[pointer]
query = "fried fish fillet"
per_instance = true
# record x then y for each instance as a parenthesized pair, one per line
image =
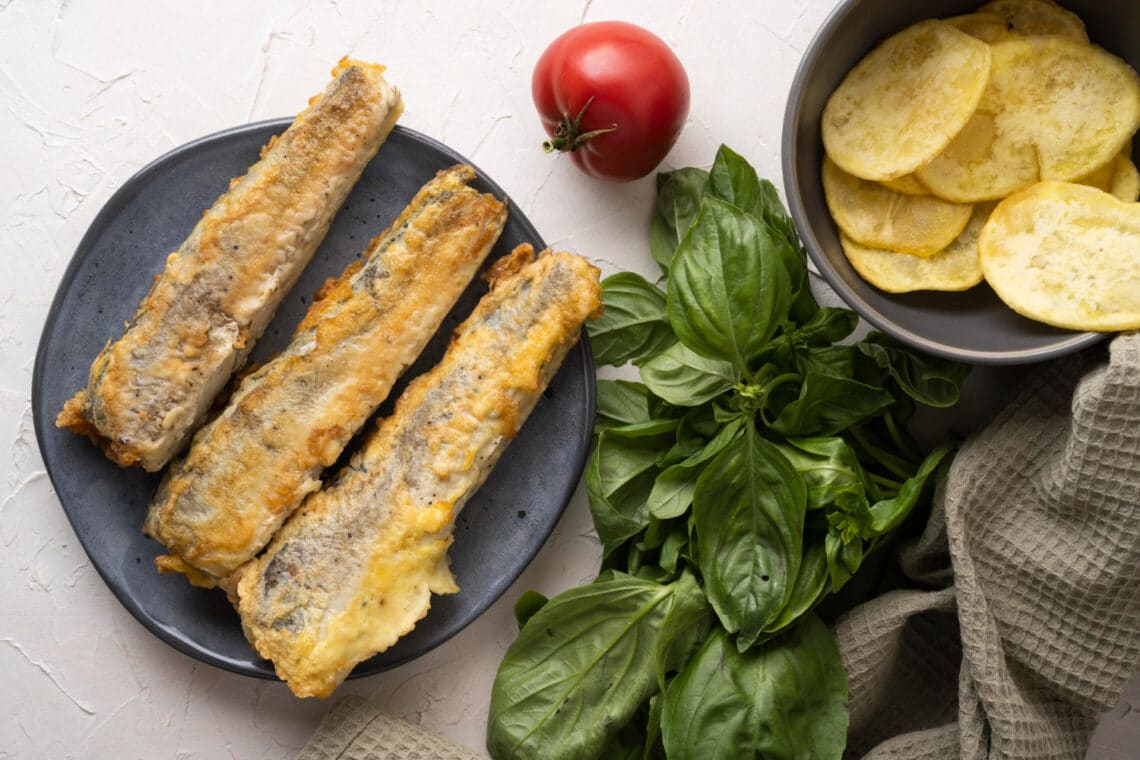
(148, 391)
(251, 466)
(354, 568)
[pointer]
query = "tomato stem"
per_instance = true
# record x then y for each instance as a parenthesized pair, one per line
(568, 135)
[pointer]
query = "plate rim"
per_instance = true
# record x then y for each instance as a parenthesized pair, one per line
(120, 197)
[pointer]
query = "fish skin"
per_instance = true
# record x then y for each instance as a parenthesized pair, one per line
(253, 464)
(354, 568)
(149, 390)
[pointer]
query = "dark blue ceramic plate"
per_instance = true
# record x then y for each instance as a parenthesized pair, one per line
(496, 535)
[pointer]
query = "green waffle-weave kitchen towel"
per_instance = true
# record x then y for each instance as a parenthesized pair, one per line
(1036, 630)
(356, 730)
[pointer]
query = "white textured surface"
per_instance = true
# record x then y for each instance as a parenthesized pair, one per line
(89, 92)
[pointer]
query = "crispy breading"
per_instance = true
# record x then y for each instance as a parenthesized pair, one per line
(354, 568)
(148, 391)
(252, 465)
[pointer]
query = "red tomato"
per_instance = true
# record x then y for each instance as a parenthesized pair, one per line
(612, 94)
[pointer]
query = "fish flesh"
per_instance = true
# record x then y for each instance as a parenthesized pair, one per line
(354, 568)
(149, 390)
(252, 465)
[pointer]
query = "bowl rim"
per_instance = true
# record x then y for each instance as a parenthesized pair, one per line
(789, 146)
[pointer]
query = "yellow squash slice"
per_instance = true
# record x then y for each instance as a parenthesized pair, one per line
(952, 269)
(1038, 18)
(1054, 109)
(1066, 255)
(987, 27)
(1118, 177)
(907, 184)
(905, 101)
(878, 217)
(1125, 180)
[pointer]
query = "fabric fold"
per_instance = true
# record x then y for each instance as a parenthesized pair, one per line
(1040, 513)
(354, 729)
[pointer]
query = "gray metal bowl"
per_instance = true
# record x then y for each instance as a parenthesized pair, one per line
(974, 326)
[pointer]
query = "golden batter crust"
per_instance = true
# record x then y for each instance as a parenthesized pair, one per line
(149, 390)
(354, 568)
(251, 466)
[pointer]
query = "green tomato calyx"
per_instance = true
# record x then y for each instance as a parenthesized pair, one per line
(568, 135)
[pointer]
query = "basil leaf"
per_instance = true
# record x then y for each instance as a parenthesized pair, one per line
(850, 517)
(682, 377)
(685, 626)
(728, 288)
(828, 404)
(653, 747)
(620, 402)
(653, 432)
(724, 414)
(685, 447)
(827, 326)
(620, 475)
(675, 542)
(654, 535)
(634, 324)
(697, 428)
(891, 513)
(748, 510)
(627, 743)
(672, 491)
(700, 423)
(926, 379)
(733, 179)
(804, 304)
(843, 560)
(777, 218)
(528, 604)
(837, 361)
(827, 465)
(659, 409)
(809, 347)
(678, 200)
(810, 587)
(690, 553)
(787, 699)
(579, 670)
(618, 518)
(651, 572)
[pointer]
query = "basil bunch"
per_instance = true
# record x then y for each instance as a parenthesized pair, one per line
(741, 482)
